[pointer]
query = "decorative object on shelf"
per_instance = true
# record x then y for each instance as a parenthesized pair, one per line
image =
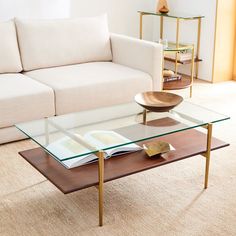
(156, 147)
(162, 6)
(158, 101)
(168, 73)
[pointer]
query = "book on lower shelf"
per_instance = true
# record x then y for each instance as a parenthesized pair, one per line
(174, 77)
(66, 147)
(181, 56)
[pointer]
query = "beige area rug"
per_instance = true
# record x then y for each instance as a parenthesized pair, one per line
(165, 201)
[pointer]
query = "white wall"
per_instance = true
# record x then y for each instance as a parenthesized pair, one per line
(122, 14)
(34, 8)
(188, 30)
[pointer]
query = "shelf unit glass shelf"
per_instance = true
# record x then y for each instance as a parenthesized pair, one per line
(171, 14)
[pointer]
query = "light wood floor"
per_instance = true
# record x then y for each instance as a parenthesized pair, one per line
(165, 201)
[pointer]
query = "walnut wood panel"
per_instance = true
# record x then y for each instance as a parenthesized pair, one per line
(187, 144)
(183, 62)
(184, 82)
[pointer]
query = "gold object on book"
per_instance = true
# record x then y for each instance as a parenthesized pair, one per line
(158, 101)
(162, 6)
(156, 147)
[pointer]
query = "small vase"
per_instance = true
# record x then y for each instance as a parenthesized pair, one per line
(162, 6)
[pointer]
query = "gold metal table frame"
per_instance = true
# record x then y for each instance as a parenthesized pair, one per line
(101, 156)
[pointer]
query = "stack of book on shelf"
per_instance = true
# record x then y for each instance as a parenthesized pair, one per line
(181, 56)
(169, 75)
(172, 78)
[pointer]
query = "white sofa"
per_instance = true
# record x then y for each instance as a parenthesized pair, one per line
(54, 67)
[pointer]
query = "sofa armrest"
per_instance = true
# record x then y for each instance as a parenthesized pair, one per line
(139, 54)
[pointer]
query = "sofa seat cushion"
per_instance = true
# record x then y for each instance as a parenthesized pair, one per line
(91, 85)
(50, 43)
(11, 134)
(23, 99)
(10, 61)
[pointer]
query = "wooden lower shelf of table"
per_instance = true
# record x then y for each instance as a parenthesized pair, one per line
(183, 62)
(185, 82)
(187, 144)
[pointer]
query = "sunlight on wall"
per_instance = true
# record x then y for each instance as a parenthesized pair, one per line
(34, 9)
(234, 75)
(225, 37)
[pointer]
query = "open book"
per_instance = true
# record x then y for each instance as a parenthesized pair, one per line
(67, 147)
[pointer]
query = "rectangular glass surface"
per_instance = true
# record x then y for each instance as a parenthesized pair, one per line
(172, 47)
(171, 14)
(77, 134)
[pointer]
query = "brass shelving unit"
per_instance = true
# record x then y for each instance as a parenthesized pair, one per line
(178, 47)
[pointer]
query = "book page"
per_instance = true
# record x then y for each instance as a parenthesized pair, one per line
(66, 147)
(108, 139)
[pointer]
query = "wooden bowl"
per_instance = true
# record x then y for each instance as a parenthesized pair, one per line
(158, 101)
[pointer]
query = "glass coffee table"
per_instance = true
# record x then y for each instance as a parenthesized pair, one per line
(64, 139)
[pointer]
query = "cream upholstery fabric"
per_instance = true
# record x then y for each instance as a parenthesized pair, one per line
(23, 99)
(49, 43)
(91, 85)
(10, 134)
(139, 54)
(9, 52)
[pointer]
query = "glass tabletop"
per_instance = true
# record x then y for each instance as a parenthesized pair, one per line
(76, 135)
(172, 14)
(173, 47)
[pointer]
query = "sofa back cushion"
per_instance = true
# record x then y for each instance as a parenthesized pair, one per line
(49, 43)
(10, 61)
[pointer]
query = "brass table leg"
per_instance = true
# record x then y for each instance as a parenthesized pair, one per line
(208, 154)
(177, 45)
(144, 116)
(101, 185)
(192, 73)
(141, 26)
(198, 44)
(46, 131)
(161, 27)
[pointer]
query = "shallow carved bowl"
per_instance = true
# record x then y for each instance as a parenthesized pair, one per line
(158, 101)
